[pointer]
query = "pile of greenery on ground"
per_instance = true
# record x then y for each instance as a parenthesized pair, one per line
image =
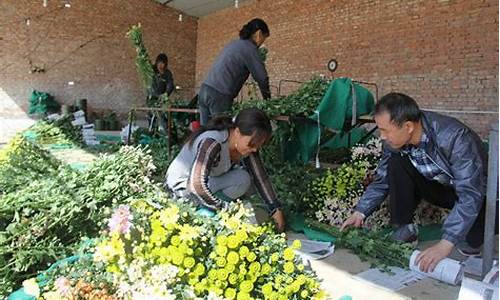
(374, 246)
(23, 162)
(44, 214)
(301, 102)
(55, 132)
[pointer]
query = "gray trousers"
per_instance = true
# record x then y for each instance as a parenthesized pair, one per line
(212, 103)
(232, 184)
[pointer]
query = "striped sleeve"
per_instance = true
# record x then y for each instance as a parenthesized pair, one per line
(207, 155)
(254, 165)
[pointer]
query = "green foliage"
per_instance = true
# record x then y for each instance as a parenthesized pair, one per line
(41, 221)
(60, 131)
(373, 246)
(142, 61)
(22, 162)
(301, 102)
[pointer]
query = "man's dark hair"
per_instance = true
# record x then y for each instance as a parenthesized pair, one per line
(401, 108)
(251, 27)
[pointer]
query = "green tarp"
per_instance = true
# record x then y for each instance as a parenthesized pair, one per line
(335, 112)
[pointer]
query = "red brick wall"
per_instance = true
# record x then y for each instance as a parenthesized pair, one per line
(86, 44)
(442, 53)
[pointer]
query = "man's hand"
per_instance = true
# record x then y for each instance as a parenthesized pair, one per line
(356, 220)
(430, 257)
(279, 218)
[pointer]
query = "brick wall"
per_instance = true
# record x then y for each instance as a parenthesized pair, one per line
(86, 44)
(444, 53)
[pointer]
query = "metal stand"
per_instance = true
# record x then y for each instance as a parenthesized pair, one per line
(491, 200)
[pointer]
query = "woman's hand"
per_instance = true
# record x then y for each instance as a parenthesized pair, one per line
(279, 218)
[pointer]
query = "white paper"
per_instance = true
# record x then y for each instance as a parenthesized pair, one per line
(492, 276)
(88, 132)
(314, 249)
(78, 121)
(447, 270)
(78, 114)
(476, 290)
(54, 117)
(394, 280)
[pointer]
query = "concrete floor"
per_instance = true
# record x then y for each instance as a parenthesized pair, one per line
(10, 126)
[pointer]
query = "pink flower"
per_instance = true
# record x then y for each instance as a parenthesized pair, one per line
(63, 286)
(121, 220)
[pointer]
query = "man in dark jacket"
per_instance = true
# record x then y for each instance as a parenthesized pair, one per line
(433, 157)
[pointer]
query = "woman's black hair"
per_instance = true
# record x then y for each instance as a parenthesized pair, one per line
(251, 27)
(250, 121)
(162, 57)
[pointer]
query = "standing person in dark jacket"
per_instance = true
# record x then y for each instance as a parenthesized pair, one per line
(163, 83)
(232, 68)
(433, 157)
(163, 80)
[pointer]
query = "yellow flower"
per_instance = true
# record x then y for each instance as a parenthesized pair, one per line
(222, 274)
(232, 257)
(289, 267)
(296, 245)
(169, 216)
(221, 250)
(230, 268)
(244, 251)
(31, 287)
(251, 256)
(175, 240)
(177, 258)
(230, 293)
(241, 235)
(300, 267)
(233, 278)
(304, 294)
(275, 257)
(243, 296)
(222, 240)
(288, 254)
(199, 269)
(254, 267)
(246, 286)
(220, 262)
(320, 295)
(189, 262)
(212, 274)
(267, 289)
(188, 232)
(266, 269)
(232, 242)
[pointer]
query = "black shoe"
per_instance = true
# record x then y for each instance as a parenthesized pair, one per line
(406, 234)
(465, 249)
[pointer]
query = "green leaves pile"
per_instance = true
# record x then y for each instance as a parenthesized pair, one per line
(142, 61)
(301, 102)
(43, 215)
(373, 246)
(59, 132)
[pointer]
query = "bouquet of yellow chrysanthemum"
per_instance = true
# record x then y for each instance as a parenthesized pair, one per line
(173, 253)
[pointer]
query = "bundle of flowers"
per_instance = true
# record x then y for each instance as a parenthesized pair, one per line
(333, 196)
(173, 253)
